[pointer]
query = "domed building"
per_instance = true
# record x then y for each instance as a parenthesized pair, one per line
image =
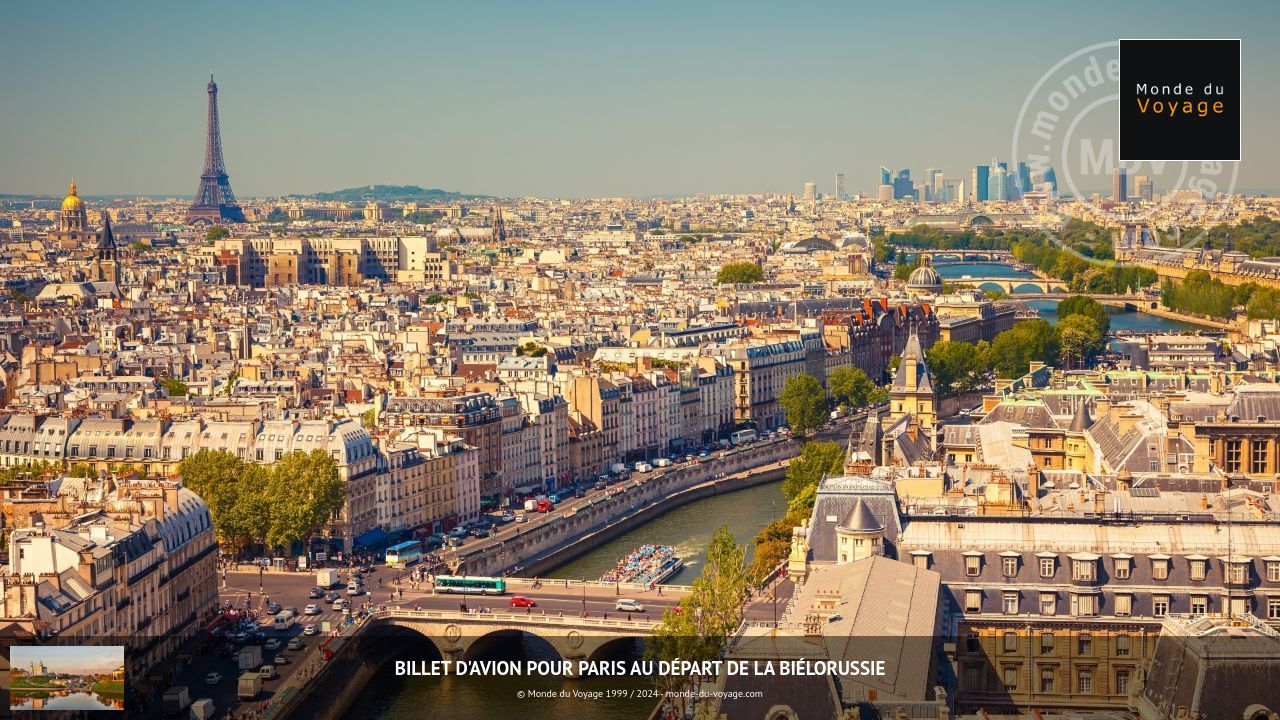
(73, 223)
(924, 280)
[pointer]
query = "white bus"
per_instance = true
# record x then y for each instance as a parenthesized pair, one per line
(743, 436)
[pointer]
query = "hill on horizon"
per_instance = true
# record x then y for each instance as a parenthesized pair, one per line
(392, 193)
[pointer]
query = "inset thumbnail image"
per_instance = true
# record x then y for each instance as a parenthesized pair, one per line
(66, 677)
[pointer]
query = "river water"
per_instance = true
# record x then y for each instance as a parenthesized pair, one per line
(1123, 320)
(688, 528)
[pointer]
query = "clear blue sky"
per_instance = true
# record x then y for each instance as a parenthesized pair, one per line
(557, 98)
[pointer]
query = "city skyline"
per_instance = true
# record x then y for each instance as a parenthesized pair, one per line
(567, 101)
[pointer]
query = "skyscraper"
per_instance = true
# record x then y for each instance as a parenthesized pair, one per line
(998, 184)
(886, 177)
(1051, 177)
(1143, 188)
(981, 178)
(902, 185)
(810, 191)
(1024, 177)
(839, 186)
(1119, 185)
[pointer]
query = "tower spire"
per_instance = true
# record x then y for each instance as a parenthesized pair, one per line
(214, 200)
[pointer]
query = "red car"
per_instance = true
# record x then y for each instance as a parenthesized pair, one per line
(522, 601)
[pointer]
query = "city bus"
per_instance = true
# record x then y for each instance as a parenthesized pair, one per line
(471, 585)
(406, 553)
(743, 436)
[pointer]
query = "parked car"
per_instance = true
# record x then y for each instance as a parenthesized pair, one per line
(213, 678)
(628, 605)
(522, 601)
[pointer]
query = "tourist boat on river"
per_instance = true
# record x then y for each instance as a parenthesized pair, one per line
(646, 564)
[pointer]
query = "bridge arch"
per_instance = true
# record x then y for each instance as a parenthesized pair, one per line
(1026, 287)
(623, 648)
(382, 642)
(509, 641)
(992, 285)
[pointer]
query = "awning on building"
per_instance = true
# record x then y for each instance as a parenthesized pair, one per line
(371, 538)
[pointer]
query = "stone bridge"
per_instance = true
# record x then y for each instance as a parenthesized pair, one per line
(1014, 286)
(469, 636)
(942, 257)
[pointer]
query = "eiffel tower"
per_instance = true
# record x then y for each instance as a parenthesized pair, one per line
(214, 200)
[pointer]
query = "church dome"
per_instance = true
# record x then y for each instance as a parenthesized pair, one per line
(925, 277)
(72, 200)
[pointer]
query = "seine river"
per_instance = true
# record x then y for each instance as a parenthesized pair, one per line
(688, 528)
(1130, 320)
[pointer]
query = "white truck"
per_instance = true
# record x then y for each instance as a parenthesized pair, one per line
(176, 700)
(530, 505)
(202, 709)
(662, 462)
(326, 578)
(249, 658)
(249, 686)
(617, 468)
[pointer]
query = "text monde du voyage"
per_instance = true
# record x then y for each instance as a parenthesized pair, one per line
(674, 668)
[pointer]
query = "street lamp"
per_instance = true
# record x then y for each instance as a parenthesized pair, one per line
(584, 597)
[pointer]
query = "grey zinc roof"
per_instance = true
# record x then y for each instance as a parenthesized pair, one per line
(861, 519)
(836, 498)
(900, 379)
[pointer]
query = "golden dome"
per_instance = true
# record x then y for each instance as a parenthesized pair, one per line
(72, 201)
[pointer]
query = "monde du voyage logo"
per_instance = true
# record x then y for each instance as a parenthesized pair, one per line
(1180, 100)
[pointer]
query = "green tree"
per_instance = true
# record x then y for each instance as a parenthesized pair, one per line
(804, 402)
(224, 482)
(1015, 348)
(711, 611)
(434, 299)
(215, 233)
(741, 273)
(815, 461)
(175, 387)
(1080, 339)
(958, 365)
(851, 387)
(368, 418)
(304, 491)
(773, 544)
(81, 470)
(1087, 306)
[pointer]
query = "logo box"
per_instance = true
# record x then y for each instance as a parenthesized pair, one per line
(1180, 100)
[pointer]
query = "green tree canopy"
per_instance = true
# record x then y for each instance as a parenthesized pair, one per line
(804, 402)
(958, 365)
(852, 388)
(276, 504)
(1080, 339)
(741, 273)
(816, 460)
(1087, 306)
(175, 387)
(217, 232)
(1015, 348)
